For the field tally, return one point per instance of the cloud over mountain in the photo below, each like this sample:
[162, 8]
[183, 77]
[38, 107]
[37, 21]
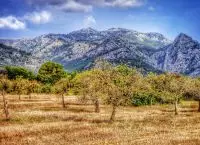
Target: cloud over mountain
[85, 5]
[89, 21]
[11, 22]
[39, 17]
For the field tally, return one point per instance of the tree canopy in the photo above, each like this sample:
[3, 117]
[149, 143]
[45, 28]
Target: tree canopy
[51, 72]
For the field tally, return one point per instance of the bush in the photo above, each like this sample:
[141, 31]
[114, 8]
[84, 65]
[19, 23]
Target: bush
[141, 99]
[14, 71]
[47, 89]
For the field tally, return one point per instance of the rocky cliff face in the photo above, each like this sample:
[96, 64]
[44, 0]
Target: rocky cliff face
[182, 56]
[79, 49]
[11, 56]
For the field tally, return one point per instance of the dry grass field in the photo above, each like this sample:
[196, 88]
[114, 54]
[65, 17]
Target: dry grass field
[42, 120]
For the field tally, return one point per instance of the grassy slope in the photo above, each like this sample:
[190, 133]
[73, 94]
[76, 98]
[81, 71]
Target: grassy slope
[43, 121]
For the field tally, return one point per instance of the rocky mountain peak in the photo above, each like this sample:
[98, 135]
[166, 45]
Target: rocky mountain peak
[86, 30]
[182, 39]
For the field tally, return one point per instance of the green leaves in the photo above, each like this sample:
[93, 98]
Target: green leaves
[51, 72]
[15, 71]
[63, 85]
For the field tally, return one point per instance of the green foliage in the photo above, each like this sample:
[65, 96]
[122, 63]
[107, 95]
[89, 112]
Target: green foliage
[19, 85]
[63, 85]
[14, 71]
[32, 87]
[46, 89]
[5, 85]
[90, 83]
[51, 72]
[146, 98]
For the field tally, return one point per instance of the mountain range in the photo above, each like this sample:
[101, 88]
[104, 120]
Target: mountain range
[80, 49]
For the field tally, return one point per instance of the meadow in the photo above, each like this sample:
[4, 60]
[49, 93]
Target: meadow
[42, 120]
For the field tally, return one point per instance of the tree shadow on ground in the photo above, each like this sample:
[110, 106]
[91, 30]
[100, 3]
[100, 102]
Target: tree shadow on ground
[82, 119]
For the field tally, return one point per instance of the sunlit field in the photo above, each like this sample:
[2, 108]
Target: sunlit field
[42, 120]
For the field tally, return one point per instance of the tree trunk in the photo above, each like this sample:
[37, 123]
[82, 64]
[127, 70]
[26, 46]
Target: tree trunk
[5, 106]
[97, 109]
[199, 106]
[63, 100]
[112, 118]
[19, 97]
[151, 101]
[176, 106]
[29, 96]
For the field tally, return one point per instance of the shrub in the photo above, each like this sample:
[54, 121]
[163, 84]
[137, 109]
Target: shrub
[14, 72]
[145, 98]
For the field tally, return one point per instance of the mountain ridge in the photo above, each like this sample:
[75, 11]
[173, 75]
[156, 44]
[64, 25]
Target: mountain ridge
[79, 49]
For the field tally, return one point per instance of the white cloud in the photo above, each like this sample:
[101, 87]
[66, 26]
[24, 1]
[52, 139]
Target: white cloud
[73, 6]
[39, 17]
[89, 21]
[151, 8]
[85, 5]
[11, 22]
[125, 3]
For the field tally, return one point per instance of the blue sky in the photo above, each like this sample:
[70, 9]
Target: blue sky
[30, 18]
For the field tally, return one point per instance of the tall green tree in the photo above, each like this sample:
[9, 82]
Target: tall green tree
[51, 72]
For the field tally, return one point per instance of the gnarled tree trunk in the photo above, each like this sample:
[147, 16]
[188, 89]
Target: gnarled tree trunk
[30, 96]
[63, 100]
[5, 106]
[19, 97]
[97, 109]
[176, 106]
[112, 117]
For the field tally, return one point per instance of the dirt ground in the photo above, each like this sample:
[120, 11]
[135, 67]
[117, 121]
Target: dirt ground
[42, 120]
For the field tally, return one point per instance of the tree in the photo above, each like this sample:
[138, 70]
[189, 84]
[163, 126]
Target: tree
[19, 86]
[169, 85]
[51, 72]
[90, 85]
[31, 87]
[15, 71]
[122, 82]
[62, 87]
[5, 85]
[193, 87]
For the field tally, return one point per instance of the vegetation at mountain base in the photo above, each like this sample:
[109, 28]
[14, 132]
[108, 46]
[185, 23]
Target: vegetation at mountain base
[116, 86]
[15, 71]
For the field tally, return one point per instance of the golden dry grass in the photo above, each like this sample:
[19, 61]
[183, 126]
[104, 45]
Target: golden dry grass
[42, 121]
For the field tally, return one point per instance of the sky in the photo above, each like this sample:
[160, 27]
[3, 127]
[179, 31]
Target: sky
[31, 18]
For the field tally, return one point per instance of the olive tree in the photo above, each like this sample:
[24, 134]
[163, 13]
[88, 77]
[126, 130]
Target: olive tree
[32, 87]
[19, 86]
[169, 85]
[193, 87]
[122, 82]
[5, 85]
[62, 87]
[90, 84]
